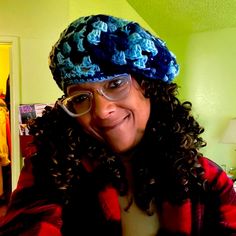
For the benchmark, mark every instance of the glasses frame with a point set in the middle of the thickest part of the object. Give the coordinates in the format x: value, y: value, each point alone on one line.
x: 99, y: 90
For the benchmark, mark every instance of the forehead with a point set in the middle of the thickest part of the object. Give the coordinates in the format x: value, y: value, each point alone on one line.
x: 94, y: 84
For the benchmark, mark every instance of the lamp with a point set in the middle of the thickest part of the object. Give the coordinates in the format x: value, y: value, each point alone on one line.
x: 229, y: 135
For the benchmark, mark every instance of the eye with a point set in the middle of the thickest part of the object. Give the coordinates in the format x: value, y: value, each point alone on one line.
x: 116, y: 83
x: 79, y: 98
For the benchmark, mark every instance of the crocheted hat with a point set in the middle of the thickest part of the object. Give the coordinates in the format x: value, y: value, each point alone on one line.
x: 97, y: 47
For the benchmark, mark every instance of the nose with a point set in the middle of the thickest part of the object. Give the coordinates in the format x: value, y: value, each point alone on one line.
x: 102, y: 108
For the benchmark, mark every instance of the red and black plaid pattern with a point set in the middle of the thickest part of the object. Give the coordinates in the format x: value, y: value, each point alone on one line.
x: 207, y: 213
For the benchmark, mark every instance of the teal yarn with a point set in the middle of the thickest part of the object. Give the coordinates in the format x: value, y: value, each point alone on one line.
x: 97, y: 47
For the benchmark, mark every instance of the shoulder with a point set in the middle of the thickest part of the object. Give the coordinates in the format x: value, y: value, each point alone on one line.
x: 215, y: 176
x: 210, y: 167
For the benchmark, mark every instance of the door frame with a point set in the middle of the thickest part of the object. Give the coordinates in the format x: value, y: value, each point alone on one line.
x: 14, y: 104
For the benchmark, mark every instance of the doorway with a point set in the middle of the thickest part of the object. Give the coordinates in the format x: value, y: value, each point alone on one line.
x: 14, y: 73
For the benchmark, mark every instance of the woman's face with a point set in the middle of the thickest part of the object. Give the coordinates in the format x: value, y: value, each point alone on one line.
x: 120, y: 124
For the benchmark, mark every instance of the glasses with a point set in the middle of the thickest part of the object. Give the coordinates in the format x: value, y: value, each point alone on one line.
x: 80, y: 103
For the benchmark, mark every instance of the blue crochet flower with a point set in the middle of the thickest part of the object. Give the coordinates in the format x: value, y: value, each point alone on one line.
x: 66, y: 48
x: 119, y: 58
x: 94, y: 36
x: 79, y: 38
x: 106, y: 45
x: 100, y: 25
x: 134, y: 38
x: 134, y: 52
x: 111, y: 27
x: 60, y: 58
x: 173, y: 70
x: 148, y: 46
x: 86, y: 68
x: 141, y: 62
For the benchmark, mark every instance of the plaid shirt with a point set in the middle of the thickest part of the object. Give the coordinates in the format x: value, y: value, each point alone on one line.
x: 210, y: 213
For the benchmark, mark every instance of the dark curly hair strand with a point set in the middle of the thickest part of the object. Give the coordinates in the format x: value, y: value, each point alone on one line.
x: 166, y: 166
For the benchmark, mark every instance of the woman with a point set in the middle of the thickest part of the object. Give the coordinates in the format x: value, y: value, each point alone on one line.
x: 118, y: 154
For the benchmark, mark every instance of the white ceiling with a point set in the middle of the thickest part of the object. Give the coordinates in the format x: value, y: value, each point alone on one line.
x: 176, y: 17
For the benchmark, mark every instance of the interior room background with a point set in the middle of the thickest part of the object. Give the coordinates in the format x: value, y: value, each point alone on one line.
x: 201, y: 33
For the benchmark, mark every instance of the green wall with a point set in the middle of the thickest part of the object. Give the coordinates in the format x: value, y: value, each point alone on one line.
x: 207, y: 79
x: 38, y: 26
x: 210, y: 84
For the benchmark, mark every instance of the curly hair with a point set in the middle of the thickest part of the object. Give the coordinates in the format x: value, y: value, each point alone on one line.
x: 164, y: 167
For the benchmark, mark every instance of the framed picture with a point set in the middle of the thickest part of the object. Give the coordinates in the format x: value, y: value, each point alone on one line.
x: 28, y: 112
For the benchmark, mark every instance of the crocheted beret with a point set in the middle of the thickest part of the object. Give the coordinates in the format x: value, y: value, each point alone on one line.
x: 97, y: 47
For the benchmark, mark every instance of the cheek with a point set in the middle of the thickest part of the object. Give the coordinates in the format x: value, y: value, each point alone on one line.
x: 84, y: 121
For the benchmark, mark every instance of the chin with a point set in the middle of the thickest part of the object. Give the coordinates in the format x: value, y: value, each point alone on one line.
x: 122, y: 149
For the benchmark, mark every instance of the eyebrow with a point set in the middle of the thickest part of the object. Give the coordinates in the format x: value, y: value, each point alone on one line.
x: 73, y: 89
x: 81, y: 87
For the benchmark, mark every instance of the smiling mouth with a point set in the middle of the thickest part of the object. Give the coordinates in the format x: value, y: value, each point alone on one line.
x: 113, y: 126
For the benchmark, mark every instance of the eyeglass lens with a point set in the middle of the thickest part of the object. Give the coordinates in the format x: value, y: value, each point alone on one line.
x: 114, y: 89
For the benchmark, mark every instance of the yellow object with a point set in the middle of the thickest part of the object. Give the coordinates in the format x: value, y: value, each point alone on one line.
x: 4, y: 150
x: 4, y: 65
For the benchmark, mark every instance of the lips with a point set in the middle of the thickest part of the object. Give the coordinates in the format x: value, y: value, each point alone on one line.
x: 112, y: 125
